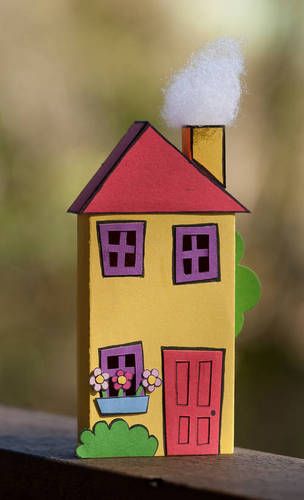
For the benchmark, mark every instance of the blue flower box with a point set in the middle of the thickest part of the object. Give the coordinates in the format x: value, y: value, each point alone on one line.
x: 123, y: 405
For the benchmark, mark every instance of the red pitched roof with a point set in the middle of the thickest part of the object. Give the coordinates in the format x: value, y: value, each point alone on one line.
x: 147, y: 174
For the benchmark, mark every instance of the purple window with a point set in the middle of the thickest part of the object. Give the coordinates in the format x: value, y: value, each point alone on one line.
x: 121, y: 247
x: 196, y: 253
x: 128, y: 358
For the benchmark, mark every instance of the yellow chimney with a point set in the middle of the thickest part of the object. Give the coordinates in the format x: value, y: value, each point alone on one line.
x: 206, y: 145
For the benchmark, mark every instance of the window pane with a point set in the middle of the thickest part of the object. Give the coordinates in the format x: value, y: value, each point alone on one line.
x: 113, y: 362
x: 187, y: 266
x: 130, y: 360
x: 113, y: 257
x: 130, y: 260
x: 187, y: 242
x: 131, y: 238
x: 202, y: 241
x: 114, y: 237
x: 203, y: 264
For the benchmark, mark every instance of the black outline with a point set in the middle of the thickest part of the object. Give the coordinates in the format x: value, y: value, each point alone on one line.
x: 224, y: 156
x: 219, y: 278
x: 100, y: 248
x: 120, y: 345
x: 222, y: 397
x: 213, y: 212
x: 200, y: 168
x: 163, y: 401
x: 178, y: 348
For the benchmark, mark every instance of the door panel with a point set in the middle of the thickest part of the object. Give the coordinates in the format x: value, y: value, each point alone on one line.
x: 193, y: 392
x: 203, y: 430
x: 183, y: 430
x: 182, y: 382
x: 204, y: 383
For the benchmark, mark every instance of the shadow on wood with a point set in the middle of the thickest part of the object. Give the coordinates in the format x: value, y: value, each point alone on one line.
x: 37, y: 461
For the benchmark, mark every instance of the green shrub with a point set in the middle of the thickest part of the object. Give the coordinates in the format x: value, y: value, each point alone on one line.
x: 247, y: 286
x: 116, y: 439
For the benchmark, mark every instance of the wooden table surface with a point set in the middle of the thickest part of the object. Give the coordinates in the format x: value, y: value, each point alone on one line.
x: 38, y: 462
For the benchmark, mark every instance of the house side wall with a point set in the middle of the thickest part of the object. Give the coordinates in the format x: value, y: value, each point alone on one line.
x: 153, y: 310
x: 83, y: 322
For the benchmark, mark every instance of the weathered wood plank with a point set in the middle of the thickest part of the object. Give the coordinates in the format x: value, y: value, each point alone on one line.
x: 37, y: 461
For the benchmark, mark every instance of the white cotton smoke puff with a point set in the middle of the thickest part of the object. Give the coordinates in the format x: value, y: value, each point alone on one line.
x: 208, y: 90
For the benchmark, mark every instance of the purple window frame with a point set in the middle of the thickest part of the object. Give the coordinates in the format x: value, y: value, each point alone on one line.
x: 122, y: 248
x: 179, y: 254
x: 121, y: 351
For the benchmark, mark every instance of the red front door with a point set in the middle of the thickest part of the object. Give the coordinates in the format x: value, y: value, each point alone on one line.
x: 193, y: 393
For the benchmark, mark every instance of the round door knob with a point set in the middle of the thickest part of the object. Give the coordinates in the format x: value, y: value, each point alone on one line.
x: 213, y: 412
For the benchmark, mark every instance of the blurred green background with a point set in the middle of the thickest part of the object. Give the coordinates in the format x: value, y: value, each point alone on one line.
x: 73, y: 77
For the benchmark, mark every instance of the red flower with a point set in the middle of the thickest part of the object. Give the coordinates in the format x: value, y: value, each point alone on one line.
x: 122, y: 380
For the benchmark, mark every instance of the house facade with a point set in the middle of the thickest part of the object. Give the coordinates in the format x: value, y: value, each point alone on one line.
x: 156, y: 291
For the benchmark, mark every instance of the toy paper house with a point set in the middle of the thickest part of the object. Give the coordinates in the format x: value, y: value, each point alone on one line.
x: 156, y: 298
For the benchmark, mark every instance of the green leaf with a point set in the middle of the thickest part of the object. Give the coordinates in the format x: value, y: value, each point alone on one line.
x: 239, y: 323
x: 247, y: 286
x: 86, y: 436
x: 101, y: 429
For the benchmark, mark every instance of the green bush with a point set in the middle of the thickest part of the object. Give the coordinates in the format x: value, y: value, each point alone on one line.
x: 116, y: 439
x: 247, y: 286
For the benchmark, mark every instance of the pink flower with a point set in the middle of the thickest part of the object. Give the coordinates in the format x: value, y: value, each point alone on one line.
x: 151, y: 379
x: 99, y: 380
x: 122, y: 380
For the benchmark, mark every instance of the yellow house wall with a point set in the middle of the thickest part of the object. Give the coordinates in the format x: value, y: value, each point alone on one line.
x: 151, y: 309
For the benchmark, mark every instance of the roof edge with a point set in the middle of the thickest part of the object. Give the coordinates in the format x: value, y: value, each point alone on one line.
x: 204, y: 171
x: 127, y: 141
